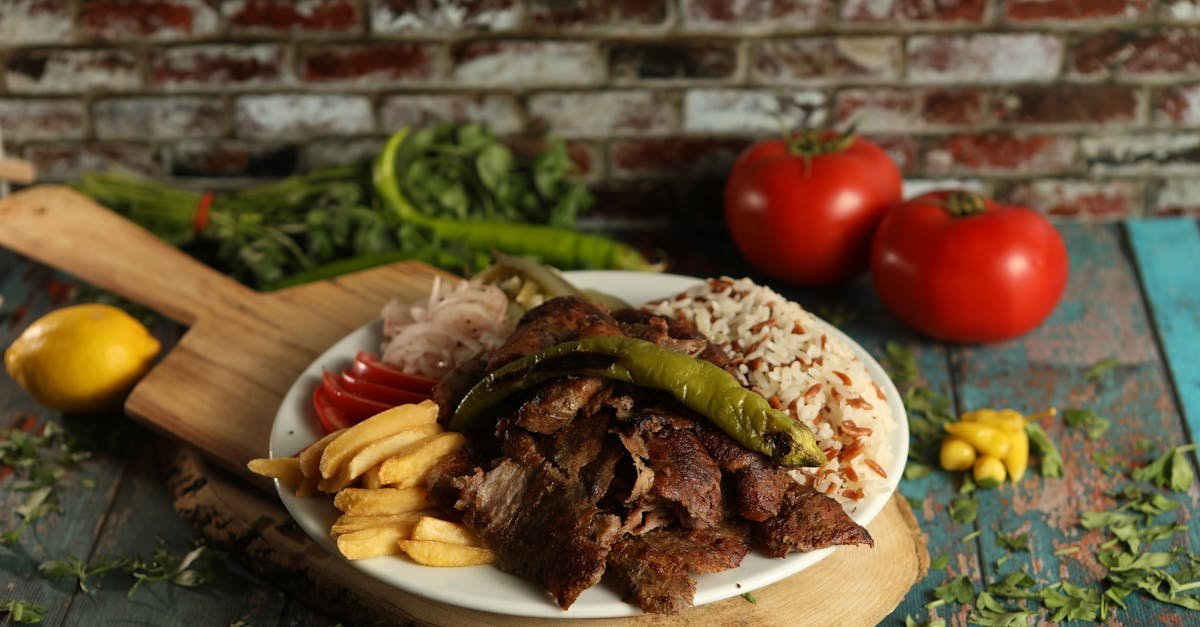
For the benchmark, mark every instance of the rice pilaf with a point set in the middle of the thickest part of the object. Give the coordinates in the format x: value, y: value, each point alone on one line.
x: 782, y: 352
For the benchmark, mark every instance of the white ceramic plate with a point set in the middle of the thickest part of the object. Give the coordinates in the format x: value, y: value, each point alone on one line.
x: 488, y: 589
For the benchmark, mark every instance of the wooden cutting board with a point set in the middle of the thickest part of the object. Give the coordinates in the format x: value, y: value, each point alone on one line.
x: 219, y: 388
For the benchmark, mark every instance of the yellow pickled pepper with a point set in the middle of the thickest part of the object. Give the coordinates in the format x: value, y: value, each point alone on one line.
x: 1016, y: 461
x: 986, y: 439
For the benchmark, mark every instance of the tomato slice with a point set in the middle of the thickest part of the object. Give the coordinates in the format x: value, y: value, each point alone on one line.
x: 330, y: 417
x: 370, y: 368
x: 355, y: 406
x: 380, y: 393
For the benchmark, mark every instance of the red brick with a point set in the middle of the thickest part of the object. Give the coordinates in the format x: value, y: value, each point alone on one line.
x: 290, y: 115
x: 673, y: 60
x: 148, y: 19
x: 1000, y: 153
x: 990, y: 57
x: 909, y: 109
x: 1142, y: 152
x: 1075, y: 10
x: 753, y: 14
x: 902, y: 150
x: 920, y: 11
x: 329, y: 153
x: 673, y: 156
x: 370, y: 64
x: 586, y: 14
x: 42, y: 119
x: 750, y: 111
x: 422, y: 16
x: 220, y: 65
x: 1107, y: 200
x: 158, y: 118
x: 500, y: 113
x: 72, y: 71
x: 278, y: 17
x: 1068, y: 104
x: 840, y: 58
x: 1162, y: 54
x: 528, y: 62
x: 604, y: 113
x: 1177, y: 197
x: 1179, y: 104
x: 232, y: 158
x: 36, y: 21
x: 62, y: 161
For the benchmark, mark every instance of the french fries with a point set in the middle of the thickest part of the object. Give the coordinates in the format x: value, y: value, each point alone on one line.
x: 370, y: 542
x: 376, y: 452
x: 285, y: 469
x: 383, y: 501
x: 375, y: 471
x: 347, y: 523
x: 438, y: 530
x: 410, y: 465
x: 372, y: 429
x: 443, y: 554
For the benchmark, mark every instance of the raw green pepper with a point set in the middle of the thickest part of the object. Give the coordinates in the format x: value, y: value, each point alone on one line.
x: 745, y: 416
x: 564, y: 248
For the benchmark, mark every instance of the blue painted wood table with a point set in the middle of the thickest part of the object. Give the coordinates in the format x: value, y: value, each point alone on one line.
x: 1133, y: 303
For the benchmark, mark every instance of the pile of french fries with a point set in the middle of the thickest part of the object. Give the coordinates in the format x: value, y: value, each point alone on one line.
x: 376, y: 472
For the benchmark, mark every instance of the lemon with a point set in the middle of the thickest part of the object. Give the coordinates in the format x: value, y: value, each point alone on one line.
x: 83, y: 358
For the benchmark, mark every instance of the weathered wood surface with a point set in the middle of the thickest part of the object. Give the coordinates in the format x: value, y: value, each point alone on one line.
x: 1105, y: 313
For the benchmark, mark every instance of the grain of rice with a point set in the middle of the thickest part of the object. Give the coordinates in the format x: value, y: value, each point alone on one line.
x: 780, y: 352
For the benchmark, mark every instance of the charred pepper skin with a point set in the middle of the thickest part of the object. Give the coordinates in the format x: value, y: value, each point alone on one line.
x: 745, y: 416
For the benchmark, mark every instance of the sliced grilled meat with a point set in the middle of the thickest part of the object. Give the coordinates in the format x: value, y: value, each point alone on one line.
x: 684, y: 475
x: 807, y: 521
x: 557, y: 402
x: 672, y: 333
x: 541, y: 525
x: 654, y: 569
x: 553, y: 322
x: 759, y: 485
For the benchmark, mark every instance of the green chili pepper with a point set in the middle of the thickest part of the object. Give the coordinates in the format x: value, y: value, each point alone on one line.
x: 745, y: 416
x: 559, y: 247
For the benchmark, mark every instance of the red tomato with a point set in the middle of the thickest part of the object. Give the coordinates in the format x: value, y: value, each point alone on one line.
x: 367, y: 366
x: 803, y: 210
x: 356, y: 406
x: 330, y: 417
x: 959, y: 267
x: 380, y: 393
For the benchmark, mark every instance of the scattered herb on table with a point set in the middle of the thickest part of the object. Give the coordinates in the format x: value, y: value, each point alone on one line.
x: 1094, y: 425
x: 1107, y: 461
x: 971, y: 536
x: 749, y: 597
x: 1172, y: 470
x: 1017, y: 585
x: 909, y: 621
x: 957, y: 590
x: 964, y: 509
x: 837, y: 314
x: 1014, y: 542
x: 940, y: 563
x: 1052, y: 462
x: 79, y: 569
x: 901, y: 363
x: 992, y: 613
x: 39, y: 458
x: 197, y: 567
x: 914, y: 470
x: 1067, y: 601
x: 23, y: 611
x: 1101, y: 369
x: 1066, y: 550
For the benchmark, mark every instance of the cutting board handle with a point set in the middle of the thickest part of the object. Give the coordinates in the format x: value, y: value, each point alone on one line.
x: 65, y: 229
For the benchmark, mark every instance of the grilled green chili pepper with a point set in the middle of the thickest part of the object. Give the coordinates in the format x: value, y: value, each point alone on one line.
x: 745, y: 416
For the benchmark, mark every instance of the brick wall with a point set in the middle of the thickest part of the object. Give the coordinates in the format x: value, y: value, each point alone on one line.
x: 1082, y: 108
